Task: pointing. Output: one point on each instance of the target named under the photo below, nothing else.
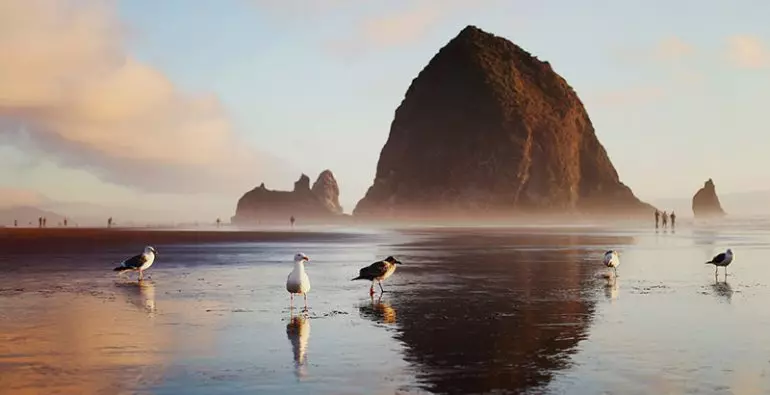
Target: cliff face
(486, 127)
(705, 202)
(261, 204)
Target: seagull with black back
(721, 260)
(378, 271)
(139, 262)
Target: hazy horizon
(104, 108)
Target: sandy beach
(471, 310)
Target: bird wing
(719, 258)
(135, 261)
(376, 269)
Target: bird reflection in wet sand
(378, 311)
(723, 289)
(298, 332)
(611, 288)
(140, 294)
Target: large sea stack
(488, 128)
(321, 203)
(705, 202)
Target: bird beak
(307, 259)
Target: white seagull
(139, 262)
(378, 271)
(298, 282)
(611, 259)
(722, 259)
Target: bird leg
(291, 302)
(381, 289)
(305, 301)
(616, 271)
(371, 289)
(141, 275)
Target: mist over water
(481, 309)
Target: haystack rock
(705, 203)
(306, 204)
(486, 127)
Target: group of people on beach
(665, 216)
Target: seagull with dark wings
(722, 259)
(139, 262)
(378, 271)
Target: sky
(174, 109)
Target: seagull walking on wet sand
(298, 282)
(378, 271)
(139, 262)
(612, 259)
(723, 259)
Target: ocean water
(471, 310)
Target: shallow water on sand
(471, 310)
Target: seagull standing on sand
(611, 259)
(139, 262)
(723, 259)
(298, 282)
(378, 271)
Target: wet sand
(471, 310)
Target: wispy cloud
(633, 96)
(14, 197)
(672, 48)
(748, 52)
(69, 86)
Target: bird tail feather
(357, 278)
(121, 269)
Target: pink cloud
(628, 97)
(748, 52)
(15, 197)
(68, 84)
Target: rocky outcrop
(306, 204)
(326, 189)
(705, 203)
(486, 127)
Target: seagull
(139, 262)
(298, 282)
(611, 259)
(723, 259)
(378, 271)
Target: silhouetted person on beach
(65, 222)
(15, 223)
(657, 218)
(109, 222)
(673, 220)
(44, 221)
(292, 219)
(665, 219)
(39, 222)
(219, 221)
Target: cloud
(70, 90)
(15, 197)
(672, 48)
(747, 52)
(628, 97)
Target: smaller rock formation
(705, 203)
(264, 205)
(326, 189)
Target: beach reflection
(500, 317)
(722, 290)
(298, 332)
(139, 294)
(378, 311)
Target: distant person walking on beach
(15, 223)
(292, 220)
(657, 218)
(673, 220)
(65, 222)
(44, 221)
(219, 221)
(39, 222)
(109, 222)
(665, 219)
